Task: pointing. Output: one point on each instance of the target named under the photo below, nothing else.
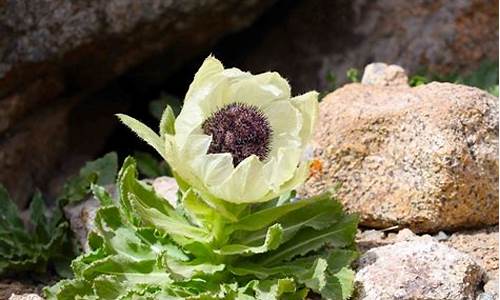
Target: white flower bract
(291, 119)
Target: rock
(491, 287)
(482, 245)
(25, 297)
(59, 53)
(13, 286)
(417, 270)
(384, 75)
(167, 187)
(329, 37)
(423, 158)
(81, 218)
(81, 215)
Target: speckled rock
(423, 157)
(384, 75)
(81, 215)
(25, 297)
(417, 270)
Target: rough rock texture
(333, 36)
(12, 286)
(481, 245)
(25, 297)
(424, 157)
(52, 51)
(81, 215)
(417, 270)
(384, 75)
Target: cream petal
(188, 122)
(196, 146)
(283, 166)
(254, 92)
(283, 118)
(299, 177)
(247, 183)
(274, 82)
(213, 169)
(308, 106)
(210, 67)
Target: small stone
(417, 270)
(441, 236)
(167, 188)
(25, 297)
(384, 75)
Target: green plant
(44, 243)
(144, 248)
(236, 231)
(353, 75)
(101, 171)
(484, 77)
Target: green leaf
(272, 241)
(101, 195)
(353, 75)
(101, 171)
(340, 234)
(266, 217)
(181, 231)
(145, 133)
(149, 166)
(317, 214)
(23, 250)
(167, 123)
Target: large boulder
(423, 157)
(421, 269)
(57, 53)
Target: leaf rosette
(237, 230)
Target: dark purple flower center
(239, 129)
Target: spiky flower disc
(239, 129)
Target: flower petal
(210, 67)
(283, 166)
(213, 169)
(308, 106)
(259, 90)
(247, 183)
(283, 118)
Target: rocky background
(420, 165)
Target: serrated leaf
(101, 195)
(266, 217)
(318, 215)
(145, 133)
(182, 231)
(340, 234)
(101, 171)
(167, 122)
(272, 241)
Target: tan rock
(384, 75)
(482, 245)
(417, 270)
(423, 158)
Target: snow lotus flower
(239, 137)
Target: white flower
(239, 137)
